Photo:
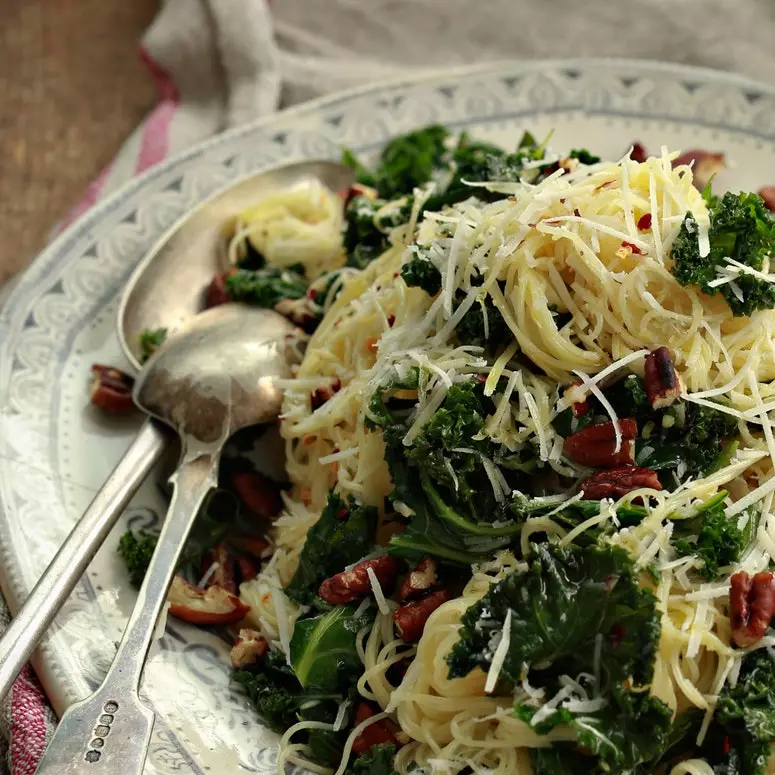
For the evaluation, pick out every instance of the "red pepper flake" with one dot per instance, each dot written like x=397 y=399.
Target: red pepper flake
x=391 y=320
x=644 y=222
x=638 y=153
x=481 y=378
x=577 y=213
x=727 y=745
x=633 y=248
x=312 y=294
x=343 y=513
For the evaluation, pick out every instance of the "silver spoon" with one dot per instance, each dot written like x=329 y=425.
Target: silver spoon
x=165 y=291
x=213 y=378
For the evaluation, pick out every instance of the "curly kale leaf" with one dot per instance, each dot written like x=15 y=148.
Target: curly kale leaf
x=741 y=229
x=584 y=156
x=276 y=692
x=343 y=535
x=748 y=709
x=323 y=653
x=558 y=608
x=377 y=761
x=150 y=341
x=482 y=324
x=265 y=287
x=711 y=536
x=697 y=439
x=421 y=272
x=406 y=161
x=630 y=731
x=365 y=234
x=136 y=549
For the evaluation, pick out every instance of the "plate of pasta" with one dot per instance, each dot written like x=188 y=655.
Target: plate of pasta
x=517 y=514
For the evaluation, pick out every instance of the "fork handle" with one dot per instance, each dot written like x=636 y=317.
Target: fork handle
x=74 y=556
x=109 y=732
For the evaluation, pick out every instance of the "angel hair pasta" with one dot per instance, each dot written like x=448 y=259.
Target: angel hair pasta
x=530 y=443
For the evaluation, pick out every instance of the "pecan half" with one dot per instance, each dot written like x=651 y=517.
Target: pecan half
x=354 y=584
x=320 y=395
x=617 y=482
x=410 y=618
x=663 y=385
x=420 y=580
x=752 y=605
x=378 y=733
x=595 y=446
x=706 y=165
x=216 y=293
x=248 y=650
x=204 y=606
x=111 y=389
x=768 y=195
x=258 y=493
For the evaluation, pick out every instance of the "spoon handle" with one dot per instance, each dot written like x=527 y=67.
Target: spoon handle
x=110 y=731
x=74 y=556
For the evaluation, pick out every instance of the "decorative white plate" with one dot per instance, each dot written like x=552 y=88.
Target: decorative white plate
x=55 y=451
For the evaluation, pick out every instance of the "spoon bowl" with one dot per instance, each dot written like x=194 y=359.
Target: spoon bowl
x=167 y=288
x=218 y=374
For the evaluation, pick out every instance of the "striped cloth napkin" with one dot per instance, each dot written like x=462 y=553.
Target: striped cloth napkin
x=220 y=63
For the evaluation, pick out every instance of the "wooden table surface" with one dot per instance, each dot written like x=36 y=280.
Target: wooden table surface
x=72 y=88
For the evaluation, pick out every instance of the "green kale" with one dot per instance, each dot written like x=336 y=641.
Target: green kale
x=276 y=692
x=558 y=608
x=584 y=156
x=324 y=745
x=747 y=711
x=741 y=229
x=365 y=235
x=323 y=653
x=406 y=161
x=150 y=341
x=362 y=173
x=377 y=761
x=711 y=536
x=483 y=323
x=695 y=439
x=421 y=272
x=136 y=549
x=343 y=535
x=750 y=759
x=629 y=732
x=265 y=287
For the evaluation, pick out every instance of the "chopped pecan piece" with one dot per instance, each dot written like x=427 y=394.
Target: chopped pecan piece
x=249 y=649
x=578 y=407
x=638 y=153
x=259 y=493
x=355 y=584
x=410 y=618
x=420 y=581
x=223 y=573
x=595 y=446
x=216 y=293
x=663 y=385
x=111 y=389
x=752 y=605
x=298 y=311
x=706 y=165
x=204 y=606
x=380 y=732
x=617 y=482
x=320 y=395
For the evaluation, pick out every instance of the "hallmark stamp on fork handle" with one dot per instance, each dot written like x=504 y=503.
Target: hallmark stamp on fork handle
x=101 y=731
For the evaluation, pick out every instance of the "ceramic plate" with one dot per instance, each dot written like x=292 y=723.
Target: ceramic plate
x=55 y=451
